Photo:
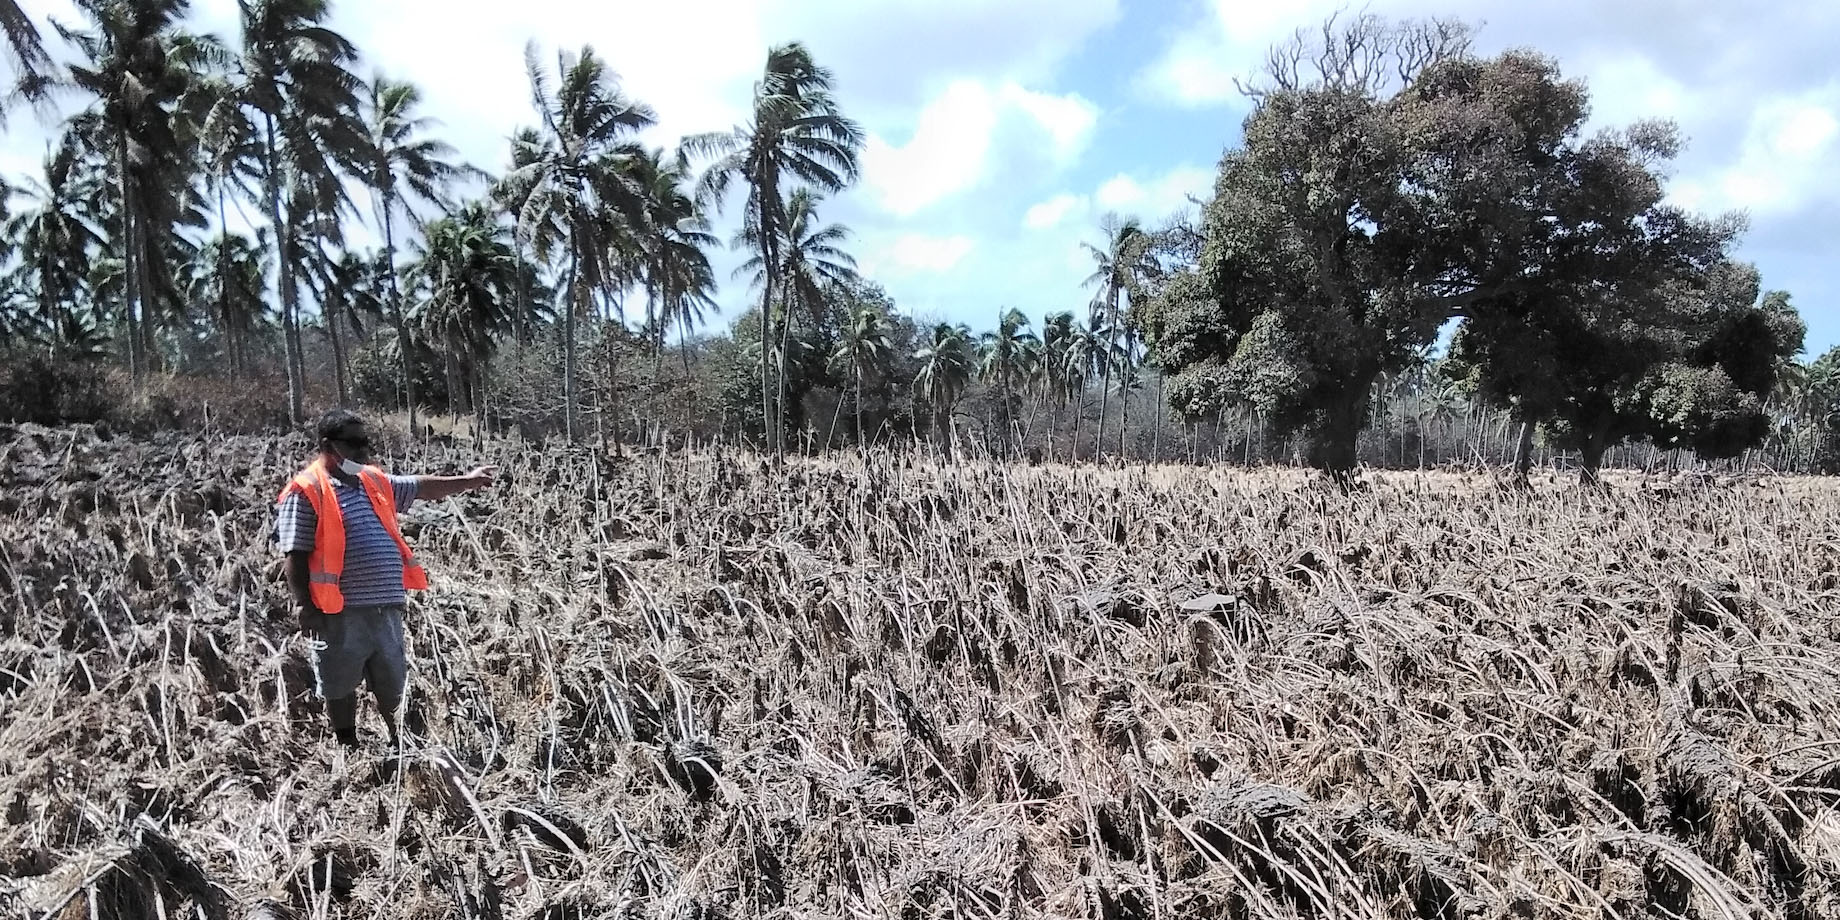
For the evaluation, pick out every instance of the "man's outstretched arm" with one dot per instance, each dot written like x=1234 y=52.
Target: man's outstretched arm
x=435 y=488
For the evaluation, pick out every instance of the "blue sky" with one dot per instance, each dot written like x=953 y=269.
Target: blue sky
x=1000 y=132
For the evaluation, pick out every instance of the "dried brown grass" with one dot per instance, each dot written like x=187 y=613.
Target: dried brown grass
x=683 y=686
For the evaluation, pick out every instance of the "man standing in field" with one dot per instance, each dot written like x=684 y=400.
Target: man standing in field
x=350 y=569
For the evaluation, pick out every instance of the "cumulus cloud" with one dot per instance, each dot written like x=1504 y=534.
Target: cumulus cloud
x=949 y=150
x=1157 y=197
x=1051 y=213
x=1790 y=152
x=918 y=253
x=899 y=52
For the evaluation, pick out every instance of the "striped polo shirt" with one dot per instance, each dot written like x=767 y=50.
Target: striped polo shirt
x=373 y=575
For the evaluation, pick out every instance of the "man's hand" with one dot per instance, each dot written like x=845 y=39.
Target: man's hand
x=312 y=621
x=435 y=488
x=482 y=477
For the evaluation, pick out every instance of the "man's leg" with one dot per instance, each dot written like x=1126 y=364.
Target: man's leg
x=387 y=670
x=338 y=666
x=344 y=716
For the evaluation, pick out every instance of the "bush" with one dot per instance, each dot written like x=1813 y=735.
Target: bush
x=45 y=392
x=38 y=390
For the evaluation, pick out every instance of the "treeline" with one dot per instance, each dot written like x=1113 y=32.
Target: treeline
x=1415 y=257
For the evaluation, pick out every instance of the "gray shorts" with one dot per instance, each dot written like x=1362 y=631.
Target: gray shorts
x=358 y=645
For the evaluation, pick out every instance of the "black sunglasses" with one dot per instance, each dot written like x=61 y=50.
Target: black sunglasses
x=353 y=442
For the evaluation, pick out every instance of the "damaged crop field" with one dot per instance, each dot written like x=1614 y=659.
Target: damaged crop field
x=688 y=686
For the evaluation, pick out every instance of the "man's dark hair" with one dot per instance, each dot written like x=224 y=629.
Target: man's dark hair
x=334 y=422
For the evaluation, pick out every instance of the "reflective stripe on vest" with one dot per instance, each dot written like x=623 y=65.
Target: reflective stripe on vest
x=327 y=560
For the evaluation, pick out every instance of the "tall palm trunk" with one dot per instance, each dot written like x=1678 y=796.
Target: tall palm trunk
x=1105 y=383
x=290 y=320
x=1009 y=412
x=232 y=345
x=456 y=387
x=770 y=407
x=1124 y=414
x=130 y=282
x=856 y=372
x=143 y=266
x=769 y=262
x=405 y=367
x=332 y=311
x=481 y=408
x=573 y=307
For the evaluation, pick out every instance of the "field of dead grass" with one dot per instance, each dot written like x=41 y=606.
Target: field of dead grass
x=684 y=686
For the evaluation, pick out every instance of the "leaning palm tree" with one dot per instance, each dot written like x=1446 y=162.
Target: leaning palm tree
x=795 y=134
x=1007 y=353
x=946 y=364
x=297 y=82
x=862 y=352
x=406 y=166
x=566 y=180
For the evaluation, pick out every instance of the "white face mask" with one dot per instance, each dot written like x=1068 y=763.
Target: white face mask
x=350 y=467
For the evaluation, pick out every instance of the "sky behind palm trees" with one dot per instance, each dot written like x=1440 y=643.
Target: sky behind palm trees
x=999 y=132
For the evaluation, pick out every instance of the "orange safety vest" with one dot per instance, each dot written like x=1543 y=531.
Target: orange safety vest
x=327 y=561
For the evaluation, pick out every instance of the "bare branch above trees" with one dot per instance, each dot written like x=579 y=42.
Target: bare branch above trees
x=1367 y=54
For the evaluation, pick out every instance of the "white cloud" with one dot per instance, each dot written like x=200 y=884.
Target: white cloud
x=1785 y=164
x=949 y=149
x=1628 y=87
x=1158 y=197
x=1197 y=70
x=898 y=50
x=1048 y=214
x=1148 y=198
x=1068 y=120
x=918 y=253
x=945 y=155
x=1200 y=66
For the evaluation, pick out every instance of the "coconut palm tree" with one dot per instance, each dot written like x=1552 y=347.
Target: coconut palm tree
x=863 y=350
x=674 y=243
x=53 y=236
x=296 y=80
x=947 y=360
x=1006 y=355
x=795 y=135
x=136 y=64
x=811 y=262
x=1088 y=353
x=227 y=281
x=566 y=180
x=407 y=166
x=1051 y=379
x=1117 y=269
x=467 y=275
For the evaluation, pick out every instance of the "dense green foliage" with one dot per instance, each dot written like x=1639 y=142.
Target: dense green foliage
x=1391 y=183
